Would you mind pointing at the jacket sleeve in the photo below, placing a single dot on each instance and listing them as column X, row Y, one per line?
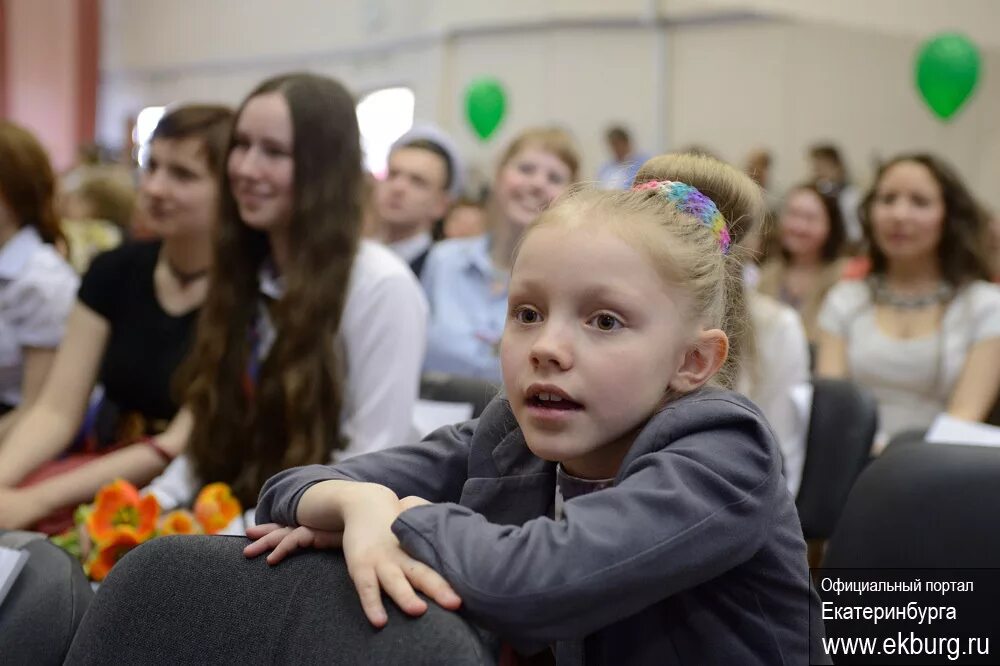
column 681, row 516
column 435, row 469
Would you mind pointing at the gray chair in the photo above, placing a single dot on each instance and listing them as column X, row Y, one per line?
column 45, row 605
column 842, row 426
column 198, row 600
column 452, row 388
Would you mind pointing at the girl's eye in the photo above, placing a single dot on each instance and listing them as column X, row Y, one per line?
column 606, row 322
column 526, row 315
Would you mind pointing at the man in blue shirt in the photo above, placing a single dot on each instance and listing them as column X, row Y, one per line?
column 619, row 172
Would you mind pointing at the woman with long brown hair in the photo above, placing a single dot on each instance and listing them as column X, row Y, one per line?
column 36, row 283
column 812, row 239
column 129, row 330
column 923, row 332
column 311, row 339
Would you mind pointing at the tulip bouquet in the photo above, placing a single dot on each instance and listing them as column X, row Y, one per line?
column 120, row 519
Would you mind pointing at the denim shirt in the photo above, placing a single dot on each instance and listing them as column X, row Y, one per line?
column 468, row 300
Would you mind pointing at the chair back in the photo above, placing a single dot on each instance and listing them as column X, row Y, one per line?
column 842, row 427
column 922, row 506
column 443, row 387
column 198, row 600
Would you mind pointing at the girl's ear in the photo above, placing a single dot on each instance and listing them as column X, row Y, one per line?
column 702, row 361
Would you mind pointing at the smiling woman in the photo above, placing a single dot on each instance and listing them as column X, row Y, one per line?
column 310, row 341
column 129, row 330
column 466, row 278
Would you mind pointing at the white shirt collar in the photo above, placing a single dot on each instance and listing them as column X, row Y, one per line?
column 410, row 248
column 15, row 252
column 272, row 285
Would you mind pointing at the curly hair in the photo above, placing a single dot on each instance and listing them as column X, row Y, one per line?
column 962, row 251
column 244, row 435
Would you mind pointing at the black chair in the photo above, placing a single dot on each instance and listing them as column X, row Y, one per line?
column 452, row 388
column 197, row 600
column 842, row 427
column 929, row 506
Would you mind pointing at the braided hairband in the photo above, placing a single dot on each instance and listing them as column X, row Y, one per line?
column 689, row 200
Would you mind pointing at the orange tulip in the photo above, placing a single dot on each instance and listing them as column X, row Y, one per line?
column 215, row 507
column 113, row 549
column 179, row 522
column 118, row 506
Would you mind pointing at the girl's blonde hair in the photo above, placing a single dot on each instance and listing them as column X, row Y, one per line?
column 551, row 140
column 684, row 250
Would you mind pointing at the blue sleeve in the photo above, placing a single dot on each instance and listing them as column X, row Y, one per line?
column 681, row 516
column 435, row 469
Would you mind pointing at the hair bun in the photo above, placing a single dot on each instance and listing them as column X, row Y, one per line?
column 734, row 193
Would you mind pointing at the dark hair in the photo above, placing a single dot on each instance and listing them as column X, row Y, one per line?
column 292, row 416
column 211, row 123
column 827, row 151
column 962, row 250
column 27, row 182
column 617, row 133
column 437, row 149
column 467, row 202
column 836, row 239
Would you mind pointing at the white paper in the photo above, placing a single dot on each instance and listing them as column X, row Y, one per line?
column 11, row 563
column 429, row 415
column 949, row 430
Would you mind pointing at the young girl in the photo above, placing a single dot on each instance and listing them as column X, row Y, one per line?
column 612, row 504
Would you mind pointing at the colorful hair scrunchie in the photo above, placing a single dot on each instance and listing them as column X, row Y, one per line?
column 689, row 200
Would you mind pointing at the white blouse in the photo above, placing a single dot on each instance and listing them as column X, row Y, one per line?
column 912, row 379
column 37, row 291
column 383, row 333
column 778, row 380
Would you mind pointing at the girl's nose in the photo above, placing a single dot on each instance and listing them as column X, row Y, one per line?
column 553, row 347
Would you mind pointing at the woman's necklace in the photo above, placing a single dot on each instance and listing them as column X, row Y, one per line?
column 884, row 295
column 184, row 278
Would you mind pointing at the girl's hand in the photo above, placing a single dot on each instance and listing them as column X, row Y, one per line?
column 283, row 541
column 376, row 562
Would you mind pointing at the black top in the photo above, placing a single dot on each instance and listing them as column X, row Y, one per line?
column 146, row 344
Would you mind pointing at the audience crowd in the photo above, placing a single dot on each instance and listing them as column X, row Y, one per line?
column 256, row 302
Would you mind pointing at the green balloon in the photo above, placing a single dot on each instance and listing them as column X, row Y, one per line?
column 485, row 106
column 947, row 71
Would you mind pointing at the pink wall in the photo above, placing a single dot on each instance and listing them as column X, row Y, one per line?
column 50, row 77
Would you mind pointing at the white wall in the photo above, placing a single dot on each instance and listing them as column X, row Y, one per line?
column 732, row 74
column 786, row 85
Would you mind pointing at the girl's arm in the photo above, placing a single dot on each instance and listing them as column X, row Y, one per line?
column 683, row 516
column 46, row 427
column 37, row 364
column 434, row 469
column 831, row 356
column 978, row 385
